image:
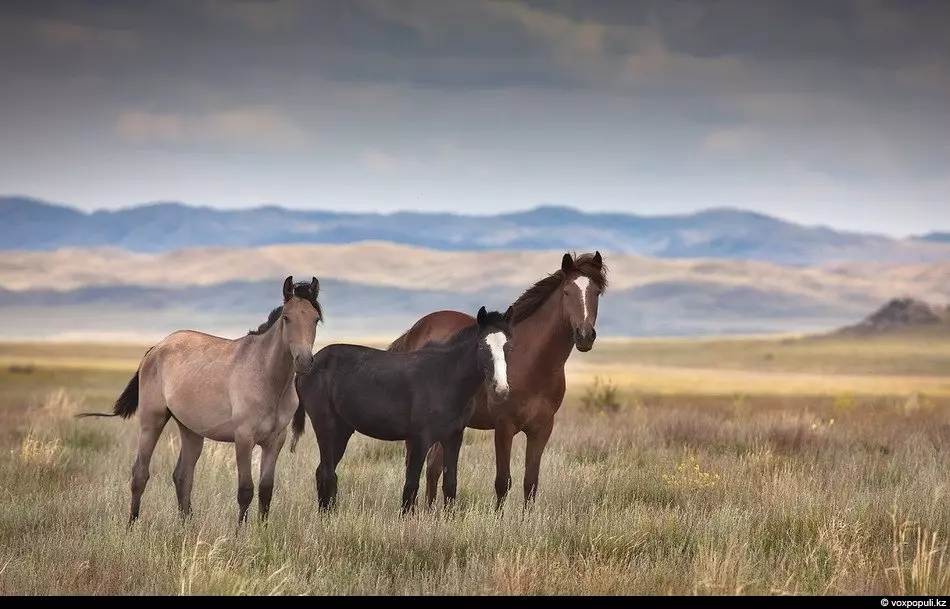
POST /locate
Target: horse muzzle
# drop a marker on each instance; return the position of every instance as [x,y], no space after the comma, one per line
[584,339]
[303,362]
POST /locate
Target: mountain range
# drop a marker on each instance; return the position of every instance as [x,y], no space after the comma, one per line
[379,289]
[148,270]
[724,233]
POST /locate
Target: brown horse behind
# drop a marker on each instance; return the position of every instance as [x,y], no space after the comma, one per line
[550,318]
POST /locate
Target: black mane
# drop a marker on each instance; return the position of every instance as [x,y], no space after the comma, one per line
[493,319]
[301,290]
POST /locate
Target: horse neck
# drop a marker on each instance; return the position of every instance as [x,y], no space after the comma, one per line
[275,354]
[461,357]
[545,336]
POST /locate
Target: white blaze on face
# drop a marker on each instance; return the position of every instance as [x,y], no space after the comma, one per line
[582,284]
[496,344]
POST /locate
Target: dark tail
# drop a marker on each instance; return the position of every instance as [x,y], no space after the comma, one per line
[401,344]
[125,406]
[297,425]
[127,403]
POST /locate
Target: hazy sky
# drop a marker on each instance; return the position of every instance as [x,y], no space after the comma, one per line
[824,112]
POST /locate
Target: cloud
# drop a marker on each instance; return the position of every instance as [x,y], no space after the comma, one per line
[242,127]
[64,35]
[259,15]
[443,156]
[578,102]
[654,63]
[618,54]
[933,74]
[384,162]
[580,37]
[731,142]
[147,127]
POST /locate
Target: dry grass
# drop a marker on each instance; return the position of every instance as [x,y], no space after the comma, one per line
[680,493]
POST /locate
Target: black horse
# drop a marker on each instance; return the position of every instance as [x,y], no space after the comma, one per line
[421,397]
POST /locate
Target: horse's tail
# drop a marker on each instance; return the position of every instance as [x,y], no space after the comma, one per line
[125,406]
[401,344]
[128,401]
[297,425]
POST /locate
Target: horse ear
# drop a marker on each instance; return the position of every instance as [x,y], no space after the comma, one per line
[314,288]
[509,313]
[288,287]
[598,261]
[482,315]
[567,264]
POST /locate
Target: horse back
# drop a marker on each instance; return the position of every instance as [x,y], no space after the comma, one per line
[188,351]
[438,326]
[192,343]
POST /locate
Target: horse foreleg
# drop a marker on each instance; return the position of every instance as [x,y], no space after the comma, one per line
[434,465]
[504,433]
[330,454]
[184,476]
[151,422]
[243,447]
[451,447]
[537,439]
[417,455]
[269,454]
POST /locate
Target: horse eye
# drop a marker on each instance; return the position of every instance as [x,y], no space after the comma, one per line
[285,318]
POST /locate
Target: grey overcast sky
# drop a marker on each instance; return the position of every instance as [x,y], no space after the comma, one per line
[823,112]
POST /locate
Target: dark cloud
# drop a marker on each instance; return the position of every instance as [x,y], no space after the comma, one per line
[752,91]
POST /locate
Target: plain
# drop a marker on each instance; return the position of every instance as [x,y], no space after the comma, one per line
[733,466]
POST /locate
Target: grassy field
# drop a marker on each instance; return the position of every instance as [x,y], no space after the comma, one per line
[779,466]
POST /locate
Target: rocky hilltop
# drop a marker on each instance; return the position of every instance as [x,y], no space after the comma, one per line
[901,314]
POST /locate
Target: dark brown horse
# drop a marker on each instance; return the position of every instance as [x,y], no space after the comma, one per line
[549,319]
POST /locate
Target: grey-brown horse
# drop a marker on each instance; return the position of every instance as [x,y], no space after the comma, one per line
[228,390]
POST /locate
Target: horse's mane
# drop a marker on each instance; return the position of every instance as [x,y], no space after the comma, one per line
[301,290]
[461,335]
[531,300]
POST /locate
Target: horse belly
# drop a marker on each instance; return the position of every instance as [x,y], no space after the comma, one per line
[213,421]
[377,427]
[372,413]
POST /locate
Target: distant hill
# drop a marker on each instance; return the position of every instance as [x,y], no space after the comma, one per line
[29,224]
[379,289]
[902,315]
[936,237]
[357,310]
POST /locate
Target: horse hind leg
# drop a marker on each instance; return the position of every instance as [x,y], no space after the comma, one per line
[152,421]
[184,476]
